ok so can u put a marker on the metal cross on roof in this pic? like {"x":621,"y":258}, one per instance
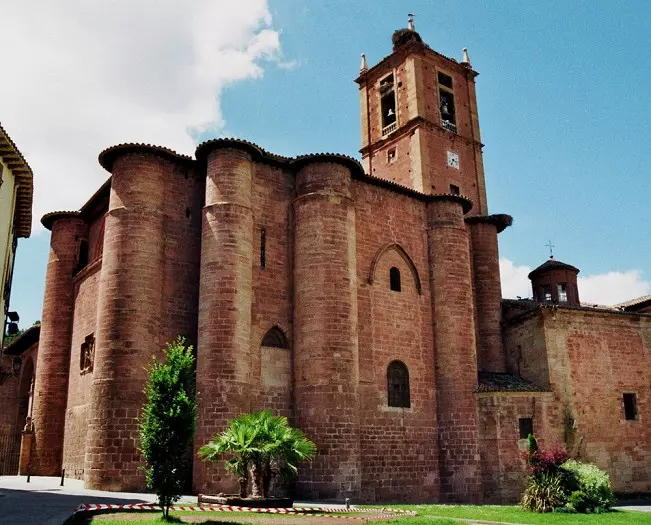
{"x":551,"y":249}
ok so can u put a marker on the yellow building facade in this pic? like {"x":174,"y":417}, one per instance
{"x":16,"y":193}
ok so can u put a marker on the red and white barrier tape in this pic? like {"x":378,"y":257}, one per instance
{"x":380,"y":513}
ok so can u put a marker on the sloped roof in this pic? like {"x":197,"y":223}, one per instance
{"x":14,"y":159}
{"x":24,"y":341}
{"x":632,"y":303}
{"x":552,"y":264}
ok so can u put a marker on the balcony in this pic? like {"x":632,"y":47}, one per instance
{"x":446,"y":124}
{"x":387,"y":130}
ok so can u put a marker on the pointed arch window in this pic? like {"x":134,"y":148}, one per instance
{"x":398,"y":385}
{"x":274,"y":338}
{"x":394,"y":279}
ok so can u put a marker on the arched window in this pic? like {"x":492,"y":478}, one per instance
{"x":394,"y":279}
{"x":275,"y":339}
{"x":398,"y":384}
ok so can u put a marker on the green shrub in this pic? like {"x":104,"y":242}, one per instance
{"x":167,"y":423}
{"x":593,"y":483}
{"x":579,"y":501}
{"x":544,"y":493}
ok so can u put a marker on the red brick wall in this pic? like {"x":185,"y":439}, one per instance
{"x":503,"y":471}
{"x":14,"y":392}
{"x":225,"y":298}
{"x":80,"y":383}
{"x":488,"y":296}
{"x":51,"y":386}
{"x":147,"y":295}
{"x":594,"y":358}
{"x":272,"y":286}
{"x":398,"y":445}
{"x":326,"y":361}
{"x":455,"y":354}
{"x":590,"y":359}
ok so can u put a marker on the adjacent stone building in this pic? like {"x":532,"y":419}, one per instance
{"x":363,"y":302}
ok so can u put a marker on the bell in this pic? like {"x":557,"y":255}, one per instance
{"x":444,"y":109}
{"x":390,"y":113}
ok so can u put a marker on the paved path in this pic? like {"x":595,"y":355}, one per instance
{"x":44,"y":502}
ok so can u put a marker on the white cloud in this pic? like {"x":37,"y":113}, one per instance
{"x":80,"y":76}
{"x":612,"y":287}
{"x":515,"y":282}
{"x":605,"y":289}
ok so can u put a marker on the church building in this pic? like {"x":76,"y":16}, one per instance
{"x":361,"y":300}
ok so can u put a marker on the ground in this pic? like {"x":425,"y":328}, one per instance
{"x":44,"y":502}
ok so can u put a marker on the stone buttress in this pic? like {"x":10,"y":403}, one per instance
{"x":325,"y":327}
{"x":455,"y":347}
{"x":129,"y":309}
{"x":225,"y":295}
{"x":51,"y":384}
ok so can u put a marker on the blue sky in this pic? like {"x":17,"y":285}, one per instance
{"x":564,"y":111}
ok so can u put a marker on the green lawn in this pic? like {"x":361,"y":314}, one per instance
{"x":427,"y":515}
{"x":512,"y":514}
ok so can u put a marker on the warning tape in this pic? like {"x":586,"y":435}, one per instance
{"x":380,"y":513}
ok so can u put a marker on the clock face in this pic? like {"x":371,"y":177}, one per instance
{"x":453,"y":159}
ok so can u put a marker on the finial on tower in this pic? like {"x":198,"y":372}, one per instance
{"x":466,"y":58}
{"x":410,"y":22}
{"x":364,"y":67}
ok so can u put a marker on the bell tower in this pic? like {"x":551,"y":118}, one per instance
{"x":420,"y":126}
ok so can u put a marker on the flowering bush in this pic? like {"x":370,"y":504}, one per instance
{"x":558,"y":484}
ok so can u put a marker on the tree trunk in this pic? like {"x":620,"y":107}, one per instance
{"x":267,"y":476}
{"x":257,"y":485}
{"x":244,"y":486}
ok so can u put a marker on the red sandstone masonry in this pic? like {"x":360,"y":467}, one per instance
{"x":129,"y":319}
{"x":398,"y":445}
{"x":51,"y":385}
{"x":455,"y":357}
{"x":271,"y":369}
{"x":326,"y":357}
{"x":225,"y":295}
{"x":488,"y":296}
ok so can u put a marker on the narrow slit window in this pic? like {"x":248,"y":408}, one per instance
{"x":526,"y":427}
{"x":398,"y":385}
{"x":454,"y":189}
{"x":394,"y":279}
{"x":263,"y":248}
{"x":630,"y":407}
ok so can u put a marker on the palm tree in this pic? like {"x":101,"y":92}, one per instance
{"x":262,"y":444}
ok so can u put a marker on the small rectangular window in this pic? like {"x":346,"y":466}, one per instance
{"x":391,"y":155}
{"x":630,"y":407}
{"x":562,"y":292}
{"x":547,"y":293}
{"x":454,"y":189}
{"x":445,"y":80}
{"x":526,"y":427}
